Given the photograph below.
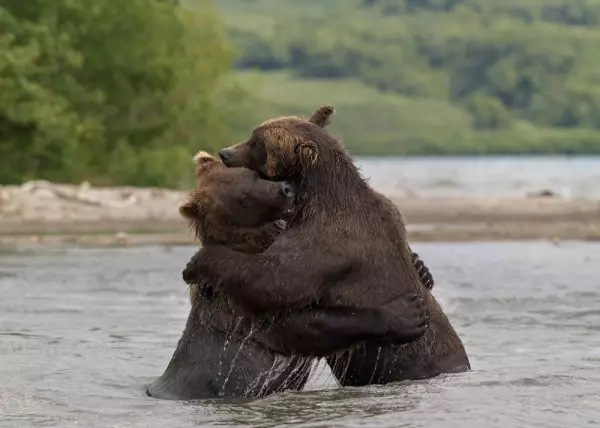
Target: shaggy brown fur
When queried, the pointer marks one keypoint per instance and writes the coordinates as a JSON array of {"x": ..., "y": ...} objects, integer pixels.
[
  {"x": 221, "y": 354},
  {"x": 234, "y": 207},
  {"x": 227, "y": 204},
  {"x": 344, "y": 246},
  {"x": 218, "y": 354}
]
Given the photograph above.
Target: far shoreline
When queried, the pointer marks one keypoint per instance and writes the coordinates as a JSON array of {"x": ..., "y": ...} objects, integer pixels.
[
  {"x": 437, "y": 234},
  {"x": 153, "y": 219}
]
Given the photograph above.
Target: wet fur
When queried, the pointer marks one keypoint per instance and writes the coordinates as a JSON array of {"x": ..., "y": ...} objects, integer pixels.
[
  {"x": 345, "y": 246},
  {"x": 221, "y": 354}
]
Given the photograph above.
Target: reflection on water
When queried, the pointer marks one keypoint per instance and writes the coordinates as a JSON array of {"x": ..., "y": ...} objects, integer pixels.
[
  {"x": 83, "y": 331},
  {"x": 484, "y": 176}
]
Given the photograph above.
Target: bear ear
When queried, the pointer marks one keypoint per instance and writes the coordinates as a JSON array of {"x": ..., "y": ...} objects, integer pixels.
[
  {"x": 307, "y": 153},
  {"x": 204, "y": 161},
  {"x": 189, "y": 210},
  {"x": 322, "y": 117}
]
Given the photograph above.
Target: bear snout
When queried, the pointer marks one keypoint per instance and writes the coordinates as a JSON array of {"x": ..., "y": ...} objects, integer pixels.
[
  {"x": 225, "y": 155},
  {"x": 286, "y": 189}
]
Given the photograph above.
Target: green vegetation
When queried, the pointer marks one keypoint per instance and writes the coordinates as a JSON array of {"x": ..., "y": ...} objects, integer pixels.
[
  {"x": 113, "y": 92},
  {"x": 431, "y": 76},
  {"x": 125, "y": 92}
]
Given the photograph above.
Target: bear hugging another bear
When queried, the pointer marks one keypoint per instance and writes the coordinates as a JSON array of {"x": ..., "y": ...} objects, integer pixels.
[
  {"x": 221, "y": 354},
  {"x": 344, "y": 246}
]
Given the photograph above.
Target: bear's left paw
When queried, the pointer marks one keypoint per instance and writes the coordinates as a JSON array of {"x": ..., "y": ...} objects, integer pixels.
[{"x": 423, "y": 271}]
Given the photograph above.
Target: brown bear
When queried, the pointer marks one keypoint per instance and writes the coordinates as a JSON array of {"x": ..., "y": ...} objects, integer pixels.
[
  {"x": 221, "y": 354},
  {"x": 344, "y": 246}
]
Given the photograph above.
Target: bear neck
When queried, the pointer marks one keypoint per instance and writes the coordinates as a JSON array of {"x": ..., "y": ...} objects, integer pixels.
[
  {"x": 331, "y": 185},
  {"x": 334, "y": 185}
]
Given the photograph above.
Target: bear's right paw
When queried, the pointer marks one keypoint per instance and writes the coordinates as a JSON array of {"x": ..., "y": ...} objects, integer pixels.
[
  {"x": 407, "y": 318},
  {"x": 190, "y": 274}
]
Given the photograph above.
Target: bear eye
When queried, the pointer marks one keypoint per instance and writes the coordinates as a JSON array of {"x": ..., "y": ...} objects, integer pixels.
[{"x": 256, "y": 142}]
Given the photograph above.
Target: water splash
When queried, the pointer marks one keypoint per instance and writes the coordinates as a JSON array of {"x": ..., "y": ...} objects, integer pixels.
[
  {"x": 348, "y": 359},
  {"x": 235, "y": 358},
  {"x": 298, "y": 369},
  {"x": 230, "y": 334},
  {"x": 268, "y": 376},
  {"x": 375, "y": 365}
]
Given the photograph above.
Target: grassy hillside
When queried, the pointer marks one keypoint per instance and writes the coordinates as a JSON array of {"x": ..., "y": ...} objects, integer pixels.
[{"x": 429, "y": 76}]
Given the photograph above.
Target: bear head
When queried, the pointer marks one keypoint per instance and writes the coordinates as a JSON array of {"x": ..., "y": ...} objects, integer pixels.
[
  {"x": 234, "y": 197},
  {"x": 285, "y": 147}
]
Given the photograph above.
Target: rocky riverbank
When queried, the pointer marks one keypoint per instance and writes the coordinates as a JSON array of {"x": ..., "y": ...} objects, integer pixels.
[{"x": 40, "y": 212}]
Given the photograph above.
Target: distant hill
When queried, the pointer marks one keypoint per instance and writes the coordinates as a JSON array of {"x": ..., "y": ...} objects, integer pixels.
[{"x": 429, "y": 76}]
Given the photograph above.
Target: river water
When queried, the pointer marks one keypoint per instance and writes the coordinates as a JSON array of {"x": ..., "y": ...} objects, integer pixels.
[
  {"x": 567, "y": 176},
  {"x": 83, "y": 331}
]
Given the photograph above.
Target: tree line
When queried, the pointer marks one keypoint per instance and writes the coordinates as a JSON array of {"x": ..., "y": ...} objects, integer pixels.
[
  {"x": 125, "y": 92},
  {"x": 522, "y": 68}
]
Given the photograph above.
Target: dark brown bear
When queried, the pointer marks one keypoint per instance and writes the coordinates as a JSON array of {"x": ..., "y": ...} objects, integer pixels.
[
  {"x": 344, "y": 246},
  {"x": 223, "y": 355}
]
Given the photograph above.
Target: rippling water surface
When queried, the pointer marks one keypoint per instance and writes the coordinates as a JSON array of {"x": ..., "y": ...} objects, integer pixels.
[{"x": 83, "y": 331}]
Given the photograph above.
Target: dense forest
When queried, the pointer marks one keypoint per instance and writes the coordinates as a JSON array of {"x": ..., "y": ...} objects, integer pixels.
[
  {"x": 438, "y": 76},
  {"x": 125, "y": 92},
  {"x": 111, "y": 91}
]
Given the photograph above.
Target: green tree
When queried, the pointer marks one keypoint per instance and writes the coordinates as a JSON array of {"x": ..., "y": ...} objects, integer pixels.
[{"x": 111, "y": 91}]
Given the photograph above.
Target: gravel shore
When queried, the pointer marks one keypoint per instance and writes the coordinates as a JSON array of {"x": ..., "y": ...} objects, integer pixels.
[{"x": 43, "y": 213}]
